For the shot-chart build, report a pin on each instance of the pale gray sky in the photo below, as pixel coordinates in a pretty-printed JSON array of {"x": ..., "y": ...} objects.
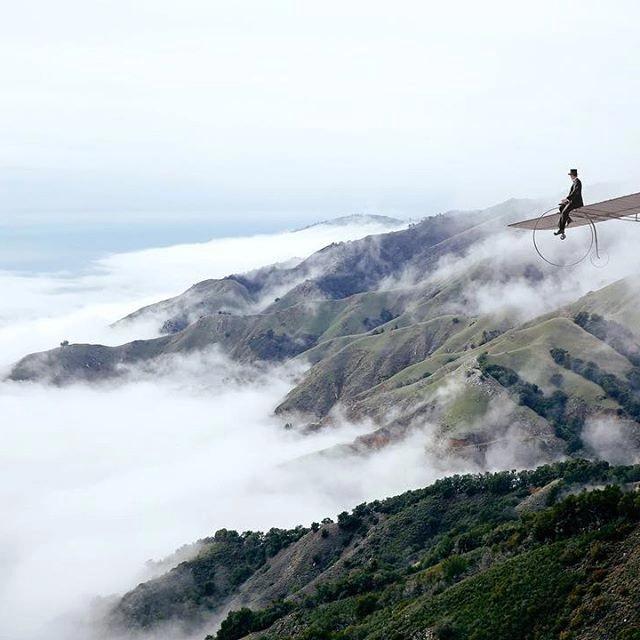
[{"x": 242, "y": 109}]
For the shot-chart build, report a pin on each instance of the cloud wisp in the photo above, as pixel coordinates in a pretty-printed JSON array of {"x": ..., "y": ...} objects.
[{"x": 508, "y": 252}]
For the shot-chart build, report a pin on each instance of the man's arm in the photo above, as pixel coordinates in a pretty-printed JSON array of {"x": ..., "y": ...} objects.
[{"x": 572, "y": 193}]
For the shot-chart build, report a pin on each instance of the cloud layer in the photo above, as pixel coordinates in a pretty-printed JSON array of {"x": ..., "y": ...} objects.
[{"x": 98, "y": 480}]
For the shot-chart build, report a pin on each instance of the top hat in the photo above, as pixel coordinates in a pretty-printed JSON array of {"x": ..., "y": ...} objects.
[{"x": 573, "y": 172}]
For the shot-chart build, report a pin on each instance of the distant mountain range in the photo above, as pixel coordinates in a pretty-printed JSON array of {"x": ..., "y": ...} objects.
[
  {"x": 391, "y": 340},
  {"x": 357, "y": 218},
  {"x": 392, "y": 331}
]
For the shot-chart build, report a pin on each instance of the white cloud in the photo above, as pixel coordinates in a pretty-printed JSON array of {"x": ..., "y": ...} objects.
[
  {"x": 98, "y": 480},
  {"x": 507, "y": 250},
  {"x": 614, "y": 439}
]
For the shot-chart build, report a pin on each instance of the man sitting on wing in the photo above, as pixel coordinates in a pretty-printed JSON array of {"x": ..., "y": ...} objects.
[{"x": 571, "y": 202}]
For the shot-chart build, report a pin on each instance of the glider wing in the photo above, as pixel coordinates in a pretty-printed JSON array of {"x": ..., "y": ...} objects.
[{"x": 613, "y": 209}]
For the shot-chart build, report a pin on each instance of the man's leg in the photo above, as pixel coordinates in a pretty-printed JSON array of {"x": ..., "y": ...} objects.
[
  {"x": 562, "y": 222},
  {"x": 567, "y": 210}
]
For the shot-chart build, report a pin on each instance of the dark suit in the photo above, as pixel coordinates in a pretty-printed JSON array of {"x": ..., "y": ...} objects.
[{"x": 575, "y": 202}]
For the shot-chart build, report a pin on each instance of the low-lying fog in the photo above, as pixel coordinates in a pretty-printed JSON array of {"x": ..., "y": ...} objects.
[{"x": 96, "y": 480}]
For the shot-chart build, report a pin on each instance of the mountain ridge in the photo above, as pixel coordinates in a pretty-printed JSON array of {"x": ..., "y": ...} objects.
[
  {"x": 389, "y": 339},
  {"x": 336, "y": 263},
  {"x": 366, "y": 218},
  {"x": 393, "y": 331}
]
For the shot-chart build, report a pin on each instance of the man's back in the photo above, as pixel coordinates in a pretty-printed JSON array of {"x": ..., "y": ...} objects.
[{"x": 575, "y": 194}]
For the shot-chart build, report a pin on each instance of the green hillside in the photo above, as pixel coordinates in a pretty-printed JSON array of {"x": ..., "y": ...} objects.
[
  {"x": 548, "y": 553},
  {"x": 334, "y": 292},
  {"x": 375, "y": 374}
]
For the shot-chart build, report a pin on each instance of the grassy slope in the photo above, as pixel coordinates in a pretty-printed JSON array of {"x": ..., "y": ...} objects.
[
  {"x": 526, "y": 349},
  {"x": 366, "y": 361},
  {"x": 618, "y": 301}
]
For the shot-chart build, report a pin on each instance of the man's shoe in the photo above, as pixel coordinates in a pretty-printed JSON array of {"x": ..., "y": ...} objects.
[
  {"x": 562, "y": 237},
  {"x": 557, "y": 233}
]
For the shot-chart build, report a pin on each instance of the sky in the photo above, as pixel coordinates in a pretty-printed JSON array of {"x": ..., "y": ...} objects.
[{"x": 266, "y": 114}]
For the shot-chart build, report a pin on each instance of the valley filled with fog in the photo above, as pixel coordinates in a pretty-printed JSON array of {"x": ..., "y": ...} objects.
[{"x": 100, "y": 479}]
